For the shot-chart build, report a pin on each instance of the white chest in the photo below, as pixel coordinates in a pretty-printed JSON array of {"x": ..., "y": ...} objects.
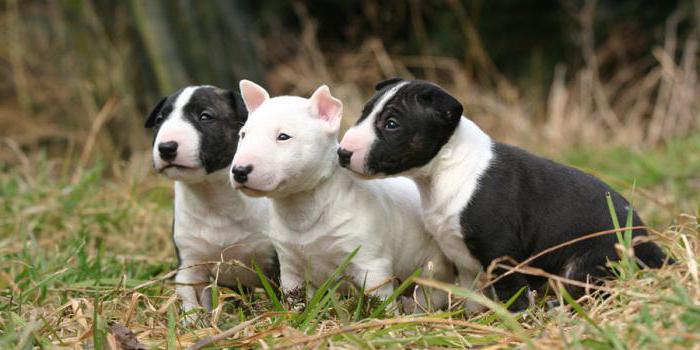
[{"x": 225, "y": 228}]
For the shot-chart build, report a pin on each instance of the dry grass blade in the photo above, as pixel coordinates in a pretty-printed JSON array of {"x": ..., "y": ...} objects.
[
  {"x": 388, "y": 322},
  {"x": 102, "y": 117},
  {"x": 231, "y": 331},
  {"x": 522, "y": 264}
]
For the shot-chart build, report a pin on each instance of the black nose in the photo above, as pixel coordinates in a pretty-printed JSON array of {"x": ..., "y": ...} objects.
[
  {"x": 344, "y": 157},
  {"x": 240, "y": 173},
  {"x": 168, "y": 150}
]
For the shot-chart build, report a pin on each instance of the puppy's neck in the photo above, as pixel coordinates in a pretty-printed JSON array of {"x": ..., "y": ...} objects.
[
  {"x": 464, "y": 157},
  {"x": 213, "y": 196},
  {"x": 302, "y": 210}
]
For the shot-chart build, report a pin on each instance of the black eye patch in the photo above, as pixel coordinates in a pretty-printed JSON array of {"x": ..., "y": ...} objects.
[
  {"x": 216, "y": 116},
  {"x": 411, "y": 129}
]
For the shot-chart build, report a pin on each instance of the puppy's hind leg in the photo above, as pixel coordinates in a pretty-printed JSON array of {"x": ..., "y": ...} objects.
[
  {"x": 510, "y": 285},
  {"x": 651, "y": 255},
  {"x": 586, "y": 268}
]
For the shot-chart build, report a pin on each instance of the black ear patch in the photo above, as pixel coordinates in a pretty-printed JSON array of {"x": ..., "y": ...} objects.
[
  {"x": 384, "y": 83},
  {"x": 237, "y": 105},
  {"x": 442, "y": 102},
  {"x": 151, "y": 121}
]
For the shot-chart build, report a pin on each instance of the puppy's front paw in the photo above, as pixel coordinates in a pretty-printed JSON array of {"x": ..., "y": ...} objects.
[
  {"x": 552, "y": 304},
  {"x": 193, "y": 316},
  {"x": 295, "y": 299},
  {"x": 408, "y": 305},
  {"x": 188, "y": 321},
  {"x": 472, "y": 307}
]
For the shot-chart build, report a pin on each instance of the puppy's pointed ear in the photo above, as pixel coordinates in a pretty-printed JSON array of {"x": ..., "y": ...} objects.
[
  {"x": 327, "y": 108},
  {"x": 151, "y": 120},
  {"x": 253, "y": 94},
  {"x": 447, "y": 106},
  {"x": 382, "y": 84}
]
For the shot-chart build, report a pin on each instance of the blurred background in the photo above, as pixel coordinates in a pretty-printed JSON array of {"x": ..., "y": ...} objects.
[{"x": 77, "y": 78}]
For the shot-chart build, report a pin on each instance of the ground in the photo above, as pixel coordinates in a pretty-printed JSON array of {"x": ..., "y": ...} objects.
[{"x": 85, "y": 249}]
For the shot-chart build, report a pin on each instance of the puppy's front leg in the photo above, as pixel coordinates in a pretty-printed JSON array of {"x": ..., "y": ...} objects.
[
  {"x": 292, "y": 283},
  {"x": 378, "y": 278},
  {"x": 190, "y": 283}
]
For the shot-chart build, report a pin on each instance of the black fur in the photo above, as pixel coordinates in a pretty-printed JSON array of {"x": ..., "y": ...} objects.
[
  {"x": 417, "y": 107},
  {"x": 219, "y": 135},
  {"x": 151, "y": 120},
  {"x": 524, "y": 203},
  {"x": 388, "y": 82}
]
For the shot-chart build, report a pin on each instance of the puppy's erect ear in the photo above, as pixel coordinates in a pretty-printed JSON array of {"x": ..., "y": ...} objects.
[
  {"x": 253, "y": 94},
  {"x": 327, "y": 108},
  {"x": 436, "y": 98},
  {"x": 380, "y": 85},
  {"x": 151, "y": 121}
]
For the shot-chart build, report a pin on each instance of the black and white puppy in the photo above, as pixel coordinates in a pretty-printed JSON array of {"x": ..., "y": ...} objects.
[
  {"x": 195, "y": 133},
  {"x": 483, "y": 199}
]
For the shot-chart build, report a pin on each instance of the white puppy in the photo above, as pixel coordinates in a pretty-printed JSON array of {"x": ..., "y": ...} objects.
[
  {"x": 195, "y": 135},
  {"x": 320, "y": 213}
]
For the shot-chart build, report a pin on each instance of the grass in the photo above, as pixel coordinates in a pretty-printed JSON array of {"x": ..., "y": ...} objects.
[{"x": 81, "y": 253}]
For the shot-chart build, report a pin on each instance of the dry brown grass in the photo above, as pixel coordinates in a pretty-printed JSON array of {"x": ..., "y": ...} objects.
[{"x": 644, "y": 102}]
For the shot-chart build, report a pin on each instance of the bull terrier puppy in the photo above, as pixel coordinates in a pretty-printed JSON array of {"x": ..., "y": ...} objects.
[
  {"x": 195, "y": 133},
  {"x": 483, "y": 200},
  {"x": 320, "y": 213}
]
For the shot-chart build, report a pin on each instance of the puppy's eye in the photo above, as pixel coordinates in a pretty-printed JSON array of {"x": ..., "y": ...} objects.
[
  {"x": 159, "y": 119},
  {"x": 205, "y": 116},
  {"x": 242, "y": 134},
  {"x": 283, "y": 137},
  {"x": 391, "y": 124}
]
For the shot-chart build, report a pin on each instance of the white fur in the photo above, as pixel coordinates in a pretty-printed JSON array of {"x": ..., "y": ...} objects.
[
  {"x": 215, "y": 229},
  {"x": 175, "y": 128},
  {"x": 212, "y": 223},
  {"x": 320, "y": 213},
  {"x": 447, "y": 184}
]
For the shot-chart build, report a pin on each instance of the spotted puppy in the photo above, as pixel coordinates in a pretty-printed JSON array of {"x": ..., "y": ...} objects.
[
  {"x": 195, "y": 135},
  {"x": 483, "y": 200},
  {"x": 320, "y": 213}
]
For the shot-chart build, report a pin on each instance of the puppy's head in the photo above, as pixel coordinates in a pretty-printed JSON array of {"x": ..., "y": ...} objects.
[
  {"x": 288, "y": 143},
  {"x": 195, "y": 132},
  {"x": 403, "y": 126}
]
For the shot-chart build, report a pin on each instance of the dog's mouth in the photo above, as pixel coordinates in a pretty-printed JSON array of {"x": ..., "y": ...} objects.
[
  {"x": 251, "y": 191},
  {"x": 367, "y": 175},
  {"x": 255, "y": 192},
  {"x": 174, "y": 166}
]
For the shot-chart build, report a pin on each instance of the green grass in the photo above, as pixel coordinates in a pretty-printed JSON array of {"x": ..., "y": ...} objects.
[
  {"x": 78, "y": 255},
  {"x": 666, "y": 179}
]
